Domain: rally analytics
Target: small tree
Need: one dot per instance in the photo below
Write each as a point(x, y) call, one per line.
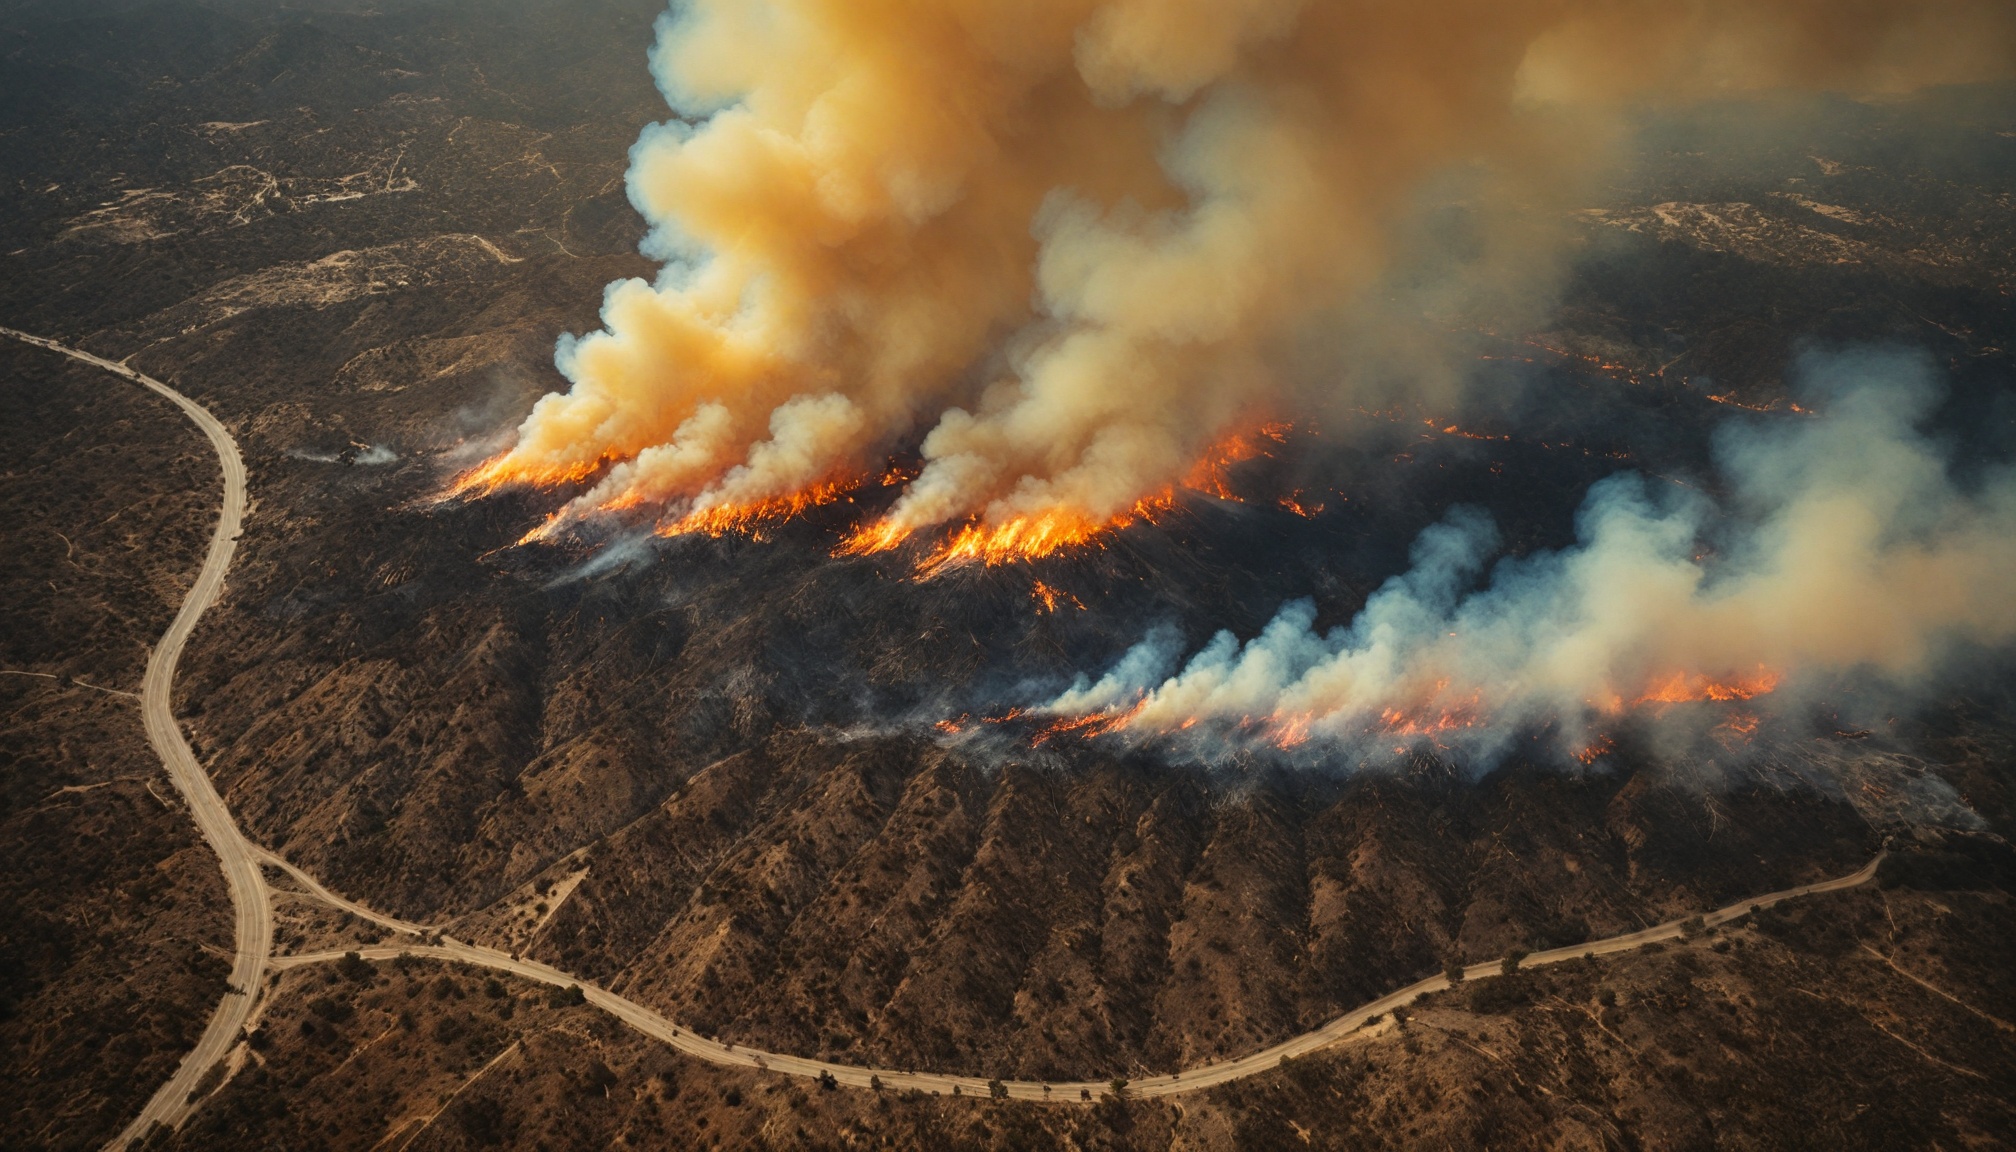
point(1510, 964)
point(875, 1083)
point(826, 1081)
point(996, 1090)
point(1453, 971)
point(1119, 1085)
point(1693, 928)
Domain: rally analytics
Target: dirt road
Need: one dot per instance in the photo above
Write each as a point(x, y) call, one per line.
point(252, 899)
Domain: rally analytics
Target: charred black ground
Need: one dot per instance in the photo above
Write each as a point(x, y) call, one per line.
point(703, 771)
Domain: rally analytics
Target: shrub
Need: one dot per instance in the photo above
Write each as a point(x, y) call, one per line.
point(334, 1010)
point(482, 1121)
point(208, 1082)
point(1510, 964)
point(1453, 971)
point(1491, 997)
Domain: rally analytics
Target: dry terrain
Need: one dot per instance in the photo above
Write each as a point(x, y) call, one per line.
point(710, 773)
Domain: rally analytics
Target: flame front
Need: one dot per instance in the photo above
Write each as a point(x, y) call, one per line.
point(502, 471)
point(1036, 535)
point(1684, 687)
point(980, 540)
point(1018, 538)
point(1033, 537)
point(1436, 717)
point(1095, 724)
point(752, 518)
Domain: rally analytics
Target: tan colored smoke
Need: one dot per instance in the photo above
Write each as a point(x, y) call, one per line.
point(1078, 240)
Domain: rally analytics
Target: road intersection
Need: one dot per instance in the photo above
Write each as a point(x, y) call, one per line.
point(252, 899)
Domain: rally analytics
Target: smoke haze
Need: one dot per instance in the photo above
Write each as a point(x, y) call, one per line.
point(1844, 554)
point(1072, 244)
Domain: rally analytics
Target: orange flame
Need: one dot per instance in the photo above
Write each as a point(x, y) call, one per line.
point(1210, 474)
point(752, 517)
point(1094, 724)
point(1431, 719)
point(1045, 533)
point(1437, 715)
point(544, 529)
point(1050, 597)
point(1682, 688)
point(498, 473)
point(1600, 747)
point(1033, 537)
point(880, 536)
point(1295, 503)
point(1026, 537)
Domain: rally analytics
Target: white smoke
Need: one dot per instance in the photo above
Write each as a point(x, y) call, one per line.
point(1843, 551)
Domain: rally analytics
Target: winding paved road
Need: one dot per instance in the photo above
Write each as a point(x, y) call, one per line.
point(253, 900)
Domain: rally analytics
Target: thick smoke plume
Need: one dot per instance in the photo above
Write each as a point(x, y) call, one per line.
point(1843, 556)
point(1073, 243)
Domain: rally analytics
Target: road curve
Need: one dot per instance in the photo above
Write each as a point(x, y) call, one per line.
point(249, 898)
point(315, 889)
point(253, 900)
point(1361, 1023)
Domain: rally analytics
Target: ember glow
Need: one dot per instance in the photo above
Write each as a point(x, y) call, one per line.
point(1853, 564)
point(1049, 598)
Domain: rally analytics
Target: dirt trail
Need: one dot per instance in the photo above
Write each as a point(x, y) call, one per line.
point(252, 899)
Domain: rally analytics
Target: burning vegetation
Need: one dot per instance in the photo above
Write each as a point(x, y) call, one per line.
point(1069, 249)
point(1006, 282)
point(1851, 565)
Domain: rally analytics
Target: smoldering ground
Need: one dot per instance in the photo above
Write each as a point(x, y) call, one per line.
point(1843, 568)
